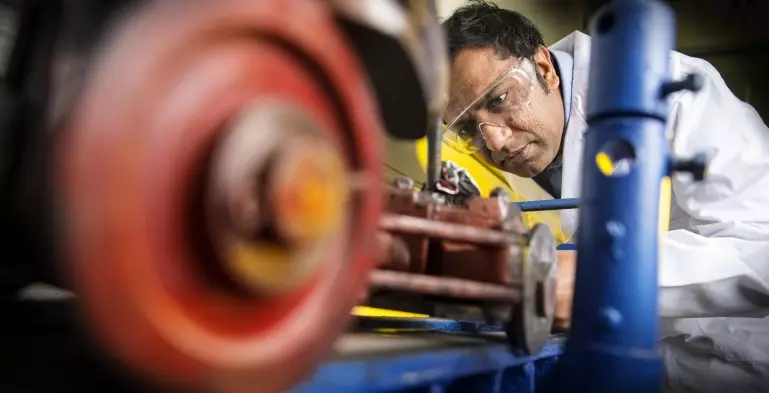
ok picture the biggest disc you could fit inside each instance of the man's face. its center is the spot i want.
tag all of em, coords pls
(523, 141)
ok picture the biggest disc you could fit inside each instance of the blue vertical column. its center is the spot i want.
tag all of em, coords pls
(612, 344)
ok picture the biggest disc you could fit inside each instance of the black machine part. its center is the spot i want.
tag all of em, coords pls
(46, 47)
(406, 61)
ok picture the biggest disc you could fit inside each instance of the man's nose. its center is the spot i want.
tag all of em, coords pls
(495, 136)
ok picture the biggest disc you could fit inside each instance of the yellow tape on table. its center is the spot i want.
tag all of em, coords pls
(362, 311)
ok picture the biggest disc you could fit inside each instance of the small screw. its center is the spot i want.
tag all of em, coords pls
(697, 166)
(692, 82)
(611, 317)
(500, 192)
(615, 228)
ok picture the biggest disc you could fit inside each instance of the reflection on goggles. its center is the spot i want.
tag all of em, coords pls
(493, 107)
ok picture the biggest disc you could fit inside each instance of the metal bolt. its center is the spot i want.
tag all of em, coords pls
(500, 192)
(615, 229)
(403, 183)
(610, 317)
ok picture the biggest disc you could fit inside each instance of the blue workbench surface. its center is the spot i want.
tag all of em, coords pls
(430, 363)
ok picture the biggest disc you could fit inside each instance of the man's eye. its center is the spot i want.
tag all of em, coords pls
(498, 100)
(467, 127)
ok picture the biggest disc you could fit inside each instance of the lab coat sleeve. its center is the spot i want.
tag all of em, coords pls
(715, 259)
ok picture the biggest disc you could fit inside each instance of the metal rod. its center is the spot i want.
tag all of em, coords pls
(551, 204)
(441, 230)
(443, 286)
(434, 134)
(368, 324)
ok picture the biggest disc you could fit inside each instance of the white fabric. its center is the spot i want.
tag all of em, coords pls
(714, 262)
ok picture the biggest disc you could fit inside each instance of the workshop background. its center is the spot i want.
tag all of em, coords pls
(732, 35)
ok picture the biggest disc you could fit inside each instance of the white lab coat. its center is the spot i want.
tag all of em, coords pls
(714, 261)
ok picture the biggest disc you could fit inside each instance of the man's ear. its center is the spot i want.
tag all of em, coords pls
(546, 68)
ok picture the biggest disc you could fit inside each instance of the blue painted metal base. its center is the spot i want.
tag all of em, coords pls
(472, 366)
(429, 355)
(603, 370)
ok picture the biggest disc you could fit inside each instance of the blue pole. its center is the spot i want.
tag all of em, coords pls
(548, 204)
(612, 343)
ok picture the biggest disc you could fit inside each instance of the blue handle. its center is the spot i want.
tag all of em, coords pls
(550, 204)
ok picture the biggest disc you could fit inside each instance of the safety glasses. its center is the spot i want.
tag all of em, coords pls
(497, 104)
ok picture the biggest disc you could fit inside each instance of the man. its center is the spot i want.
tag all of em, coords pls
(521, 107)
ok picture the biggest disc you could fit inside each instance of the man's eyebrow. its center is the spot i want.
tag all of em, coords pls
(496, 82)
(493, 92)
(459, 101)
(499, 79)
(468, 90)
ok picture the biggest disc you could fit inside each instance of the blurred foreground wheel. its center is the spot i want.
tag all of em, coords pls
(212, 229)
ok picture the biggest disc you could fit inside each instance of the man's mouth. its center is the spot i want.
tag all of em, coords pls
(518, 155)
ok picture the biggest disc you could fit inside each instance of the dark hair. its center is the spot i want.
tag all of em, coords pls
(481, 24)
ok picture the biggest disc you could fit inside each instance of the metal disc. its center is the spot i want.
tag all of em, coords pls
(532, 319)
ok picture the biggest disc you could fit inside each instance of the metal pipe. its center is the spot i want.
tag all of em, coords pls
(613, 340)
(434, 135)
(441, 230)
(454, 288)
(550, 204)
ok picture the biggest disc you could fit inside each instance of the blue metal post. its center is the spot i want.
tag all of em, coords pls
(612, 345)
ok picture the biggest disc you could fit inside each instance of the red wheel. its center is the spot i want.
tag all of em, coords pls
(211, 232)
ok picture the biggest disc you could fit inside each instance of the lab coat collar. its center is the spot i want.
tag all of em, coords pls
(564, 65)
(577, 45)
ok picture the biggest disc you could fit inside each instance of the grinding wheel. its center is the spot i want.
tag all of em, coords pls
(202, 254)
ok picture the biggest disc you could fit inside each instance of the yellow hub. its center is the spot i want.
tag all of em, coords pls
(268, 268)
(277, 198)
(310, 192)
(307, 192)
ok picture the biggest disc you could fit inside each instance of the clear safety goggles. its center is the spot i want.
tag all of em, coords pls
(497, 104)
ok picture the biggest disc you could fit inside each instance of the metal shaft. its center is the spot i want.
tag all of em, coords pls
(451, 232)
(434, 134)
(454, 288)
